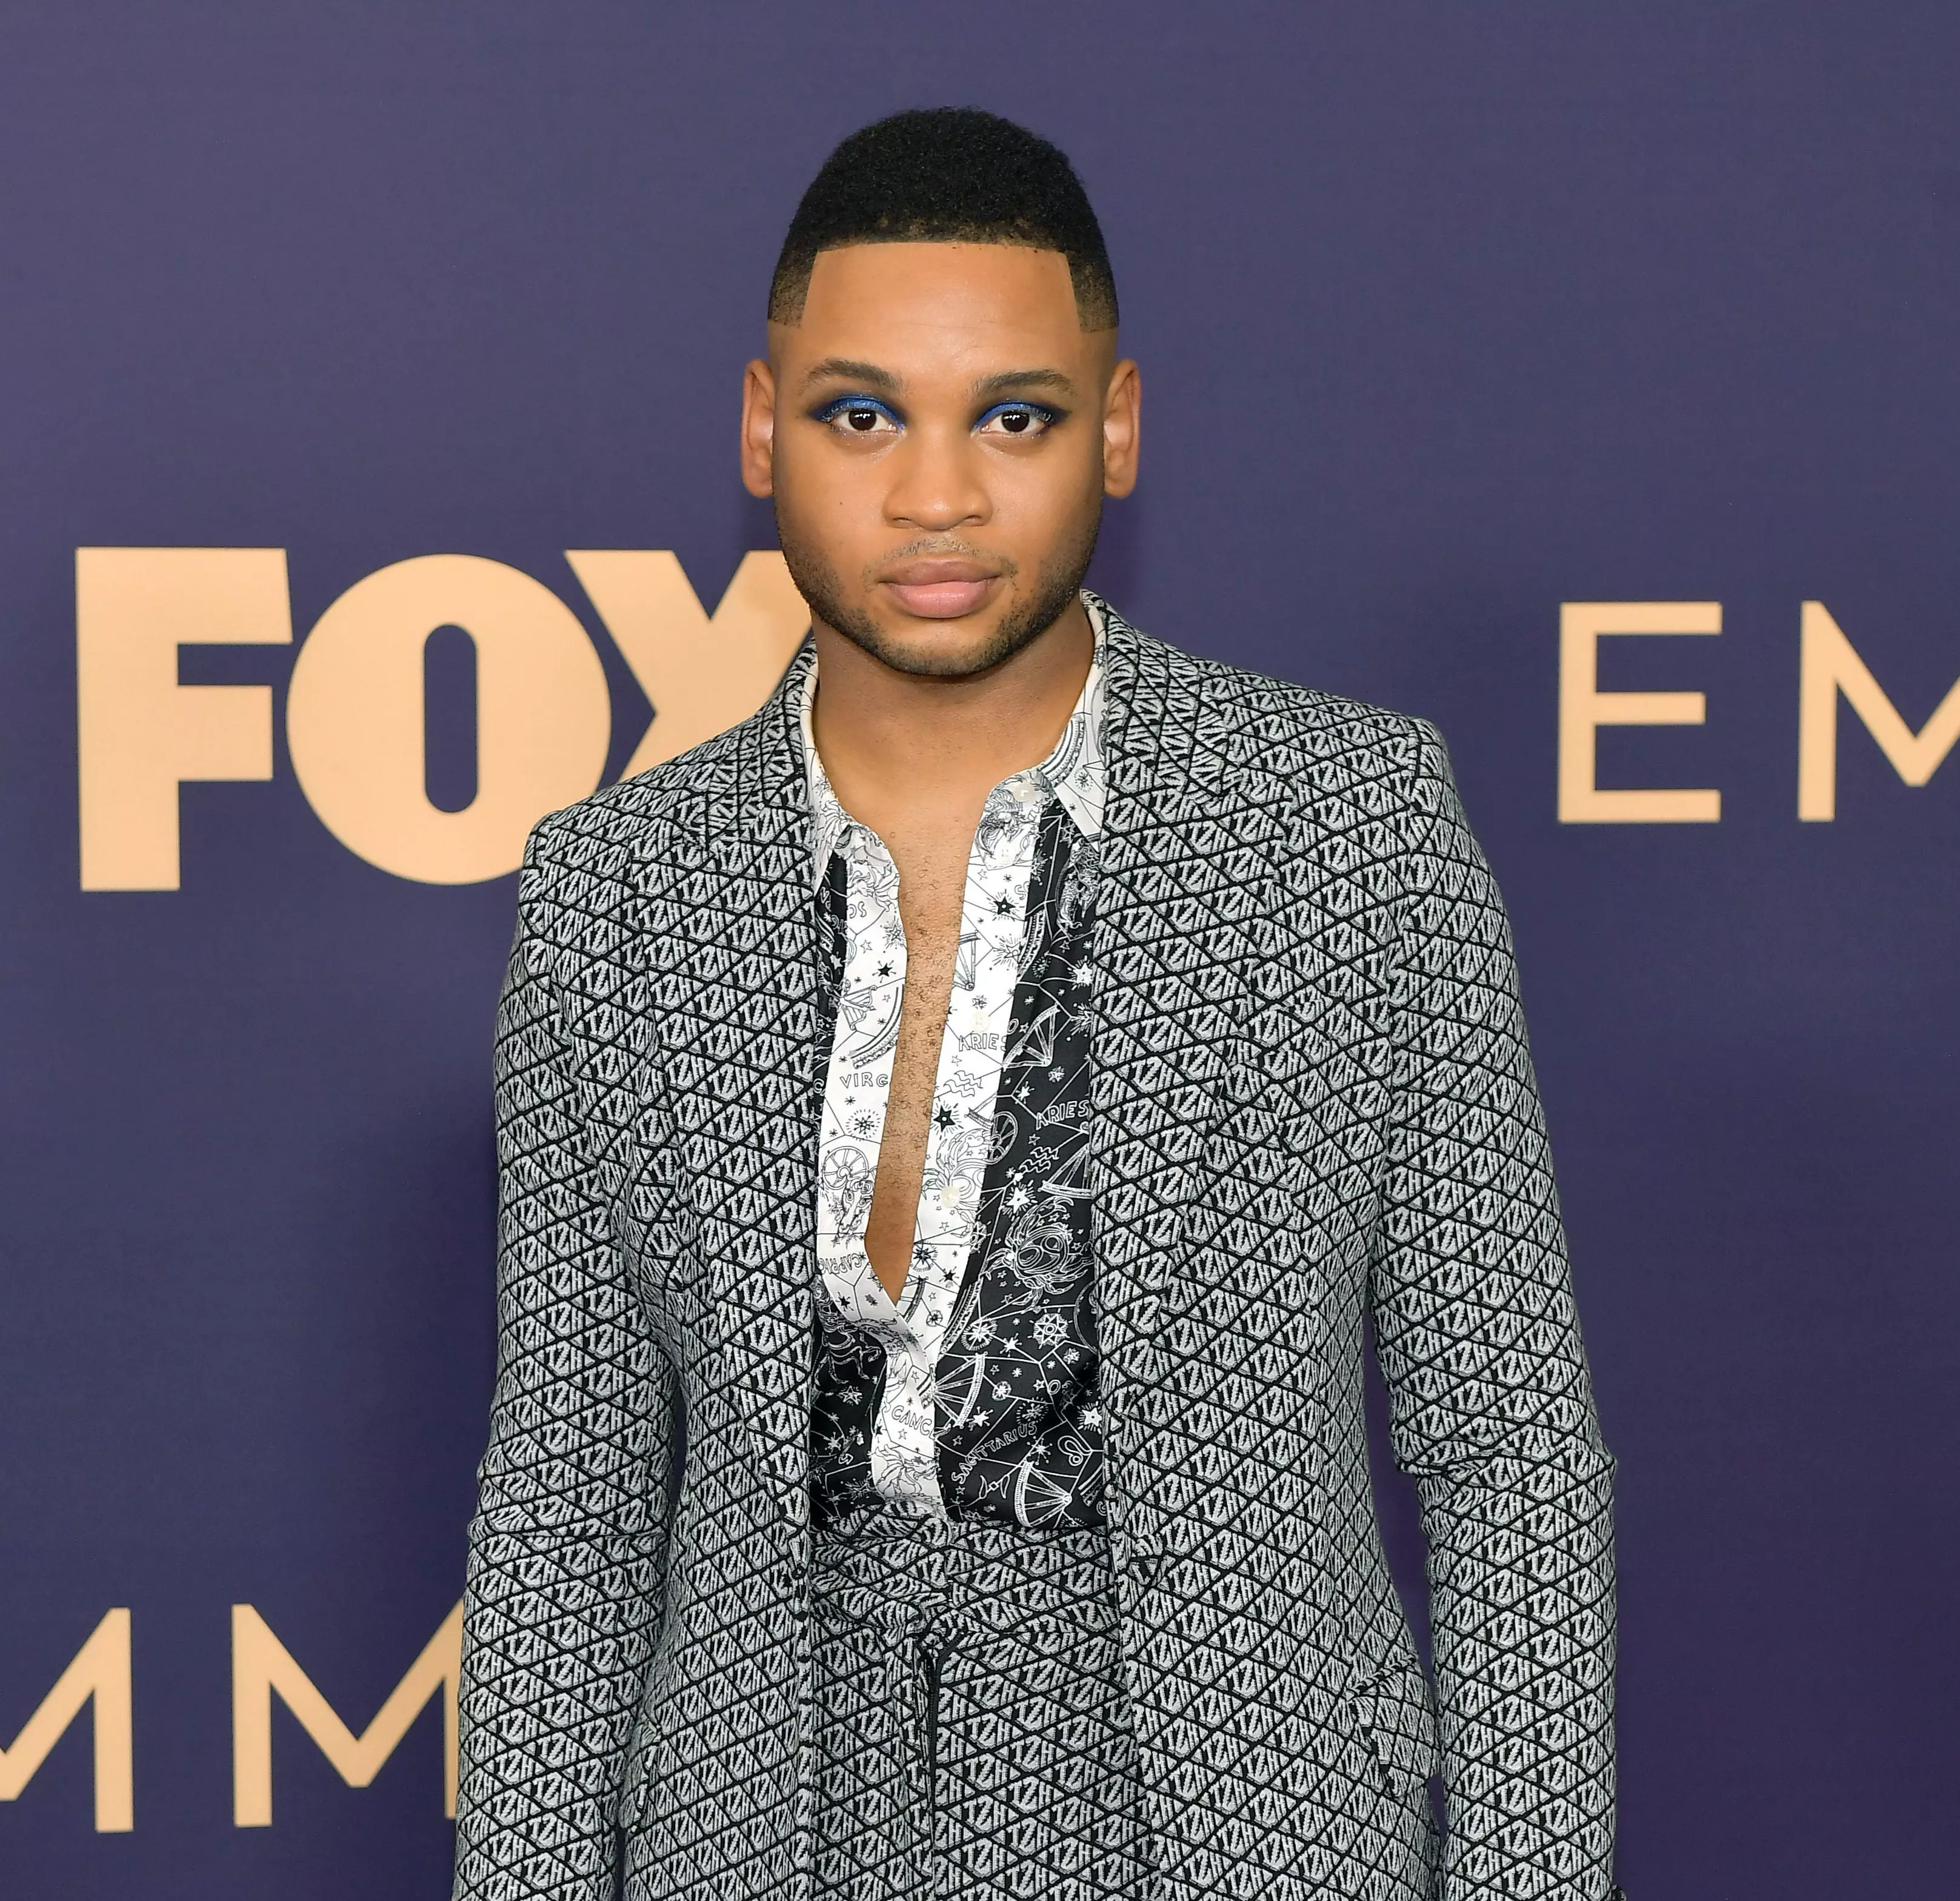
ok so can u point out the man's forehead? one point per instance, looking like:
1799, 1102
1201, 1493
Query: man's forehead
914, 310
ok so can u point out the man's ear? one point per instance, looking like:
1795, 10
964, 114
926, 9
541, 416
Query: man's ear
758, 428
1122, 422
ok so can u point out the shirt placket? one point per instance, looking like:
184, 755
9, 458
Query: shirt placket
903, 1450
993, 919
857, 1085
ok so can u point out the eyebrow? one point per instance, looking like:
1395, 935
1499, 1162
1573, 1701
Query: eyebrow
871, 377
851, 371
1009, 379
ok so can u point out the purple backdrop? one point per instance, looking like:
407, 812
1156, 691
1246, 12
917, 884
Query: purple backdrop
1447, 313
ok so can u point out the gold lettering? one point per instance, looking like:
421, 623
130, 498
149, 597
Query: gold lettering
262, 1666
100, 1670
141, 735
1832, 666
355, 718
1583, 708
702, 675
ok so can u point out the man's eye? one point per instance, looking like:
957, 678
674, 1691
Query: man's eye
1022, 420
860, 419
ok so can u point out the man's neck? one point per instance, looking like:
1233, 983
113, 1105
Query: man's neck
898, 747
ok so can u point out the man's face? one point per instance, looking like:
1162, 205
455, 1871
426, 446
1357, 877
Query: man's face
938, 433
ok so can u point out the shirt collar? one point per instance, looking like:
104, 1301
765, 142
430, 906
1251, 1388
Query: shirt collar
1073, 772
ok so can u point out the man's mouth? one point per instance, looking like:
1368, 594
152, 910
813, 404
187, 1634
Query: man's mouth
940, 588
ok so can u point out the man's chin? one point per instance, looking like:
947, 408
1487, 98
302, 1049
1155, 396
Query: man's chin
950, 650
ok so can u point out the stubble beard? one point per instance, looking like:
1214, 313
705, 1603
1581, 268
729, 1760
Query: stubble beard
1055, 587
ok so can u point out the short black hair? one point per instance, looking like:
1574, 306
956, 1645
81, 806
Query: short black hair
950, 175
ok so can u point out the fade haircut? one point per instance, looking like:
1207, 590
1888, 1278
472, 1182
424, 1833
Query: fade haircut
952, 175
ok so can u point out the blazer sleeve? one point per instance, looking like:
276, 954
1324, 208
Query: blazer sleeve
1491, 1403
567, 1548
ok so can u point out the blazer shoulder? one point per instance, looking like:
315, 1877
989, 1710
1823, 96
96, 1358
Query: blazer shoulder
609, 830
1322, 742
588, 867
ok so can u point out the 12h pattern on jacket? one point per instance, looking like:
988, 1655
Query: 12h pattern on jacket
1313, 1101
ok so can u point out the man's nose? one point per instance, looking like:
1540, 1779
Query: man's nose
938, 482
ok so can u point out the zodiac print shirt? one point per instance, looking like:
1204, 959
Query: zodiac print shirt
975, 1393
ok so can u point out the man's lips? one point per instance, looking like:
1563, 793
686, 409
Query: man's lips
941, 590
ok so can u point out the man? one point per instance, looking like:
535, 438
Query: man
954, 1128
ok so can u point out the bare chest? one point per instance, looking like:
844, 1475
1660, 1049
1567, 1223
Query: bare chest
932, 886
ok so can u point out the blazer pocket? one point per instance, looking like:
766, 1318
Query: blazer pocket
1396, 1718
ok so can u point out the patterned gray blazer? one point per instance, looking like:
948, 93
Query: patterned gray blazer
1314, 1104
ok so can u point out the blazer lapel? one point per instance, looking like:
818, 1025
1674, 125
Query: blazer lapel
1185, 880
741, 1059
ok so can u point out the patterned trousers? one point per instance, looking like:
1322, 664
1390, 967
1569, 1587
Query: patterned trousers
973, 1735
